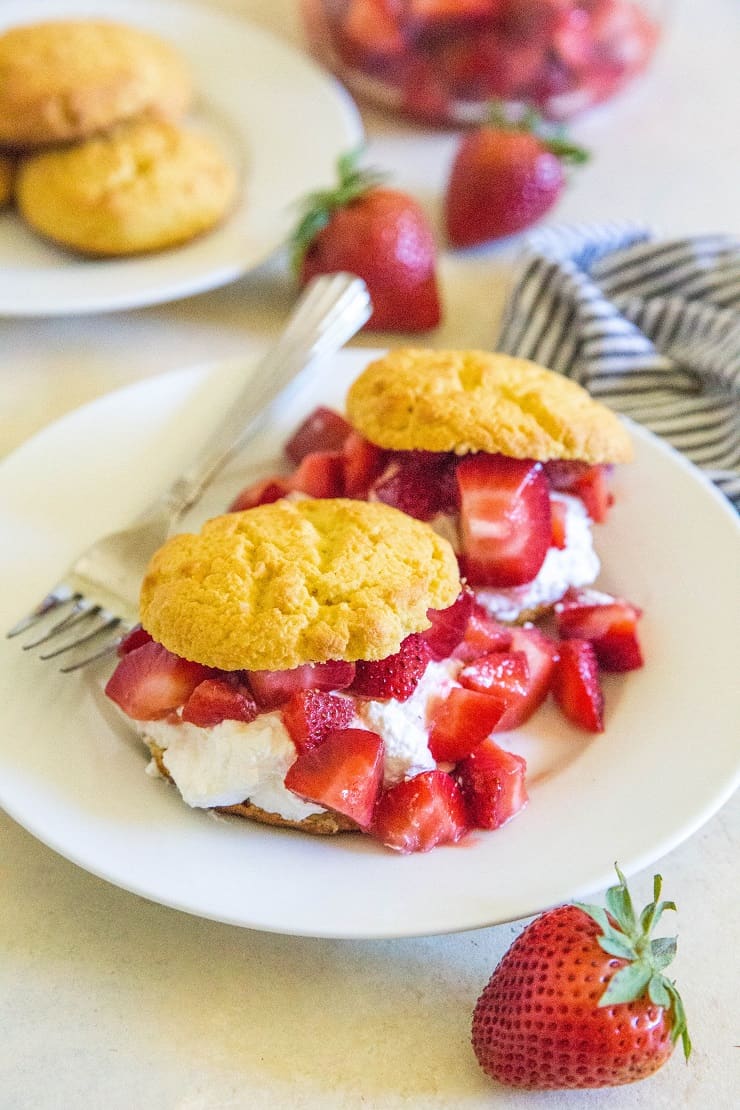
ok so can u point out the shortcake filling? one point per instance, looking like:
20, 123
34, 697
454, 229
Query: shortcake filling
576, 564
234, 762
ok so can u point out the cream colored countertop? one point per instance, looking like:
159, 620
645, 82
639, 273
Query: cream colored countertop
107, 1000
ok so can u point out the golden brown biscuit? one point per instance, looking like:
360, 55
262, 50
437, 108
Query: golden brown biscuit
465, 401
146, 186
327, 823
297, 582
63, 80
7, 175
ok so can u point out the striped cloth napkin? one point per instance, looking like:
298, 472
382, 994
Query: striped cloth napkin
650, 327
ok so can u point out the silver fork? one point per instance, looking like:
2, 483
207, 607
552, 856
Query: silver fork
97, 599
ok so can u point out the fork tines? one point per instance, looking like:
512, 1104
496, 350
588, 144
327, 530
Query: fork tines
86, 622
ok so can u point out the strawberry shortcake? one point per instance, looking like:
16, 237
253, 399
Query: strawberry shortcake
511, 463
312, 663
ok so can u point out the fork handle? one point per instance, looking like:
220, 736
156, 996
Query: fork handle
331, 309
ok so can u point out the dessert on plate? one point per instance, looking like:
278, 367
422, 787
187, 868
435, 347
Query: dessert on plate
511, 463
298, 664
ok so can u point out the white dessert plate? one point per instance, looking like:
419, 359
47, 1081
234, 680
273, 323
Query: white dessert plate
73, 774
280, 119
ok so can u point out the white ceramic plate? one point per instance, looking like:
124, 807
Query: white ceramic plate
278, 117
73, 774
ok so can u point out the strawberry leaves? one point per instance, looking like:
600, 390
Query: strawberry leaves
317, 207
628, 937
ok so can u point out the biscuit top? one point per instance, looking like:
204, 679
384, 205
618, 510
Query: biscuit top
65, 79
297, 581
466, 401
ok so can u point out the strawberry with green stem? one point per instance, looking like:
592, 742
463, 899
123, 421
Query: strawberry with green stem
505, 176
378, 233
580, 998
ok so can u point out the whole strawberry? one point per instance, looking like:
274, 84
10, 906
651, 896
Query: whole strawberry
380, 234
505, 176
580, 999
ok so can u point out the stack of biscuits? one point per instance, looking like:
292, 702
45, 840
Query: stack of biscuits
92, 144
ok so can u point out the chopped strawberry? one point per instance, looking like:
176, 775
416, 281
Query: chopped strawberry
320, 474
363, 462
559, 512
150, 681
492, 782
424, 92
590, 483
421, 812
461, 722
133, 639
369, 32
262, 492
437, 17
311, 715
576, 686
501, 675
343, 773
505, 519
609, 623
395, 677
483, 635
419, 483
274, 688
219, 699
323, 430
448, 626
541, 653
489, 65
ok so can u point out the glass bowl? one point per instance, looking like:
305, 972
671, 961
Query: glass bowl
443, 61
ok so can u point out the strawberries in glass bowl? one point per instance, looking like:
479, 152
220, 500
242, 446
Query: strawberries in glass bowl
441, 61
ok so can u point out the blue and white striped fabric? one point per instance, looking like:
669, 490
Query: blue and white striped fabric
650, 327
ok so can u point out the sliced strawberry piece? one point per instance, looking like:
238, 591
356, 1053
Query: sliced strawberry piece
492, 782
488, 64
395, 677
501, 675
274, 688
609, 623
461, 722
483, 635
150, 681
311, 715
590, 483
262, 492
448, 626
443, 16
343, 773
421, 812
541, 653
576, 686
505, 519
323, 430
219, 699
369, 33
419, 483
363, 462
132, 640
559, 511
320, 474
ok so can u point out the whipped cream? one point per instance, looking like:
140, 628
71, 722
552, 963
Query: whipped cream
231, 762
576, 564
235, 761
404, 725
